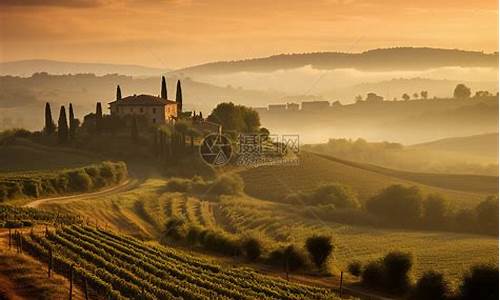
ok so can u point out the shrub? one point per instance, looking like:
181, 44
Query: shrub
193, 235
397, 266
431, 286
398, 204
221, 242
252, 248
227, 185
481, 282
178, 185
487, 215
79, 180
373, 274
175, 229
435, 211
355, 268
107, 172
319, 248
339, 195
291, 255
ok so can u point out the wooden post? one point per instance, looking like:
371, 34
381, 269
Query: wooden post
85, 289
286, 268
20, 244
341, 282
10, 238
46, 231
50, 262
71, 282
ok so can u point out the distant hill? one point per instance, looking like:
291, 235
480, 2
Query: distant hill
404, 58
481, 145
277, 181
26, 68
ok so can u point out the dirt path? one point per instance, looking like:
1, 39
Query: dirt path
23, 277
122, 187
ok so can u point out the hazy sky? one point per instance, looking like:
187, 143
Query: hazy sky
176, 33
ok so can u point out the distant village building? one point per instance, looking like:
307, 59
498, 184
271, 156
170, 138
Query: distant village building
372, 97
277, 107
292, 106
315, 105
260, 109
156, 110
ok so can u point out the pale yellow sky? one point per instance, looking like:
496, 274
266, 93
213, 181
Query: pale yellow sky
177, 33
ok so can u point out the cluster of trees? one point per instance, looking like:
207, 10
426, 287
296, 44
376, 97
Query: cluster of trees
172, 141
335, 195
392, 274
236, 118
65, 131
60, 182
405, 206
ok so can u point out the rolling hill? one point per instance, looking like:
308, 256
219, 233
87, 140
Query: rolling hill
485, 145
276, 182
404, 58
26, 68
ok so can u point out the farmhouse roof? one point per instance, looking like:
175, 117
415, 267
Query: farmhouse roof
142, 100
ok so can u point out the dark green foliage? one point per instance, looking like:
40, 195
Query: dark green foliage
178, 97
118, 93
355, 268
227, 185
319, 248
431, 286
487, 215
290, 257
176, 229
50, 127
334, 194
235, 118
73, 123
481, 282
98, 117
59, 182
79, 180
461, 91
164, 94
252, 248
373, 275
397, 266
435, 211
62, 128
397, 204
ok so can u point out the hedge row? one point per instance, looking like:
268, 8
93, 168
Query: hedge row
84, 179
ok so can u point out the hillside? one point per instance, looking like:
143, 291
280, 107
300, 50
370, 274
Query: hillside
26, 68
404, 58
485, 145
25, 155
276, 182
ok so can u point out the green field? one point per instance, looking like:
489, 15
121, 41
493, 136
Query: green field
276, 182
143, 211
121, 267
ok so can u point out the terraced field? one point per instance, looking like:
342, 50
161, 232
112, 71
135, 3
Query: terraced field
121, 267
144, 210
275, 182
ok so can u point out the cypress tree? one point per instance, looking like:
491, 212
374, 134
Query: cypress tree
118, 93
62, 129
72, 123
178, 98
50, 127
163, 88
98, 117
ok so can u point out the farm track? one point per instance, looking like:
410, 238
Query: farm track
124, 186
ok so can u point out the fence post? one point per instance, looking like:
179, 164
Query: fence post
86, 290
50, 262
10, 238
71, 282
341, 282
20, 244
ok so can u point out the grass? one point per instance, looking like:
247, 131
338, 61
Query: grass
280, 224
25, 155
275, 182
